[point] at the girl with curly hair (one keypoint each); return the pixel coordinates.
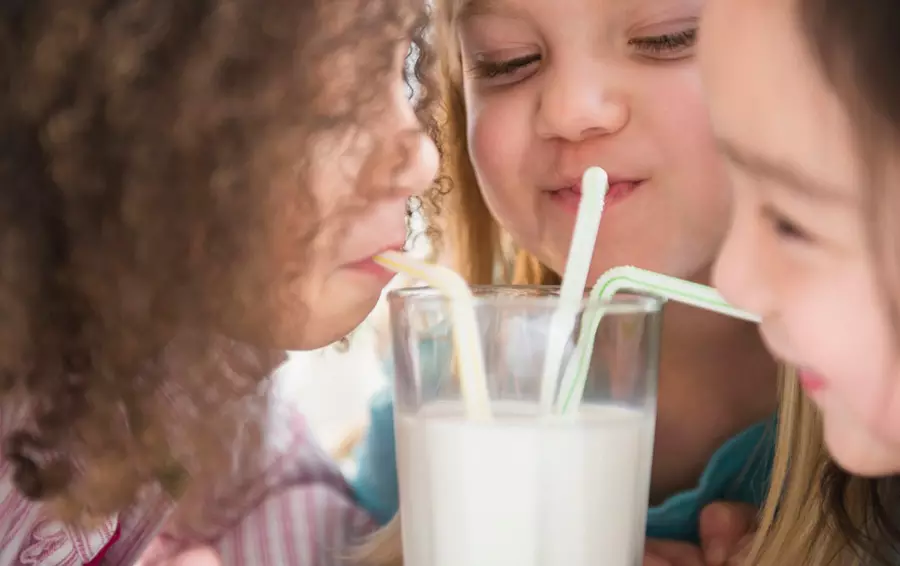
(186, 190)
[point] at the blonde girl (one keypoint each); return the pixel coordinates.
(534, 92)
(805, 100)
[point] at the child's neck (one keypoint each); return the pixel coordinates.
(716, 379)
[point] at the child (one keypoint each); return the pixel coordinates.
(187, 189)
(536, 92)
(805, 100)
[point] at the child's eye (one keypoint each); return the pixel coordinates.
(785, 228)
(509, 69)
(667, 46)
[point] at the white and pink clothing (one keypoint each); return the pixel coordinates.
(305, 516)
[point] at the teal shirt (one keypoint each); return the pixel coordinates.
(738, 471)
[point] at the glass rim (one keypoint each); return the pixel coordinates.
(542, 296)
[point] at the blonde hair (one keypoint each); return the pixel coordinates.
(793, 515)
(481, 252)
(797, 525)
(795, 528)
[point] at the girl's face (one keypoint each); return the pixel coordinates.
(797, 252)
(361, 179)
(552, 88)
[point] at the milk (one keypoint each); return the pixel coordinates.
(522, 490)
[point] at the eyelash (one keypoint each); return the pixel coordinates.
(654, 45)
(494, 69)
(670, 43)
(785, 228)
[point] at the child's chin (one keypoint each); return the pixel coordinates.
(858, 452)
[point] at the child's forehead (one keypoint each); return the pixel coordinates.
(764, 91)
(463, 9)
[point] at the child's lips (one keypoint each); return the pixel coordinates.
(810, 381)
(619, 190)
(570, 197)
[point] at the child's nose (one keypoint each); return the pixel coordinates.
(740, 272)
(417, 163)
(575, 104)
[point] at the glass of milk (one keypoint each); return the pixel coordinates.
(525, 488)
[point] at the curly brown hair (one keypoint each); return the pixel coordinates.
(136, 142)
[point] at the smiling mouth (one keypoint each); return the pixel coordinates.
(570, 197)
(810, 381)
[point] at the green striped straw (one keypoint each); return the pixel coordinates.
(628, 278)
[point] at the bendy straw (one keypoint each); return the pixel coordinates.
(466, 336)
(629, 278)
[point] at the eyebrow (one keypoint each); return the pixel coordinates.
(471, 8)
(786, 174)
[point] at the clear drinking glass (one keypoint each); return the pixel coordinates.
(524, 488)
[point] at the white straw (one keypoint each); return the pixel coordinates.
(466, 336)
(594, 186)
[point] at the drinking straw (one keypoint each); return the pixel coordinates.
(594, 185)
(466, 337)
(641, 281)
